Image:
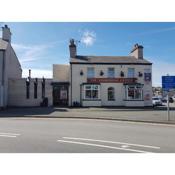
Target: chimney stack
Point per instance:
(72, 49)
(137, 51)
(6, 34)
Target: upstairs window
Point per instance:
(90, 72)
(131, 72)
(111, 72)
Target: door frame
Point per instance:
(59, 84)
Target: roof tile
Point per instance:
(109, 59)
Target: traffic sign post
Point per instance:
(168, 83)
(168, 108)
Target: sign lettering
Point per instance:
(111, 80)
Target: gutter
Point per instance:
(3, 67)
(3, 80)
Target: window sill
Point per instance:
(133, 100)
(91, 99)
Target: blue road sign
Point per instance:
(168, 83)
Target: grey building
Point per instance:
(15, 90)
(9, 65)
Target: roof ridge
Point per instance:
(109, 59)
(104, 56)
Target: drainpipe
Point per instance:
(3, 80)
(71, 83)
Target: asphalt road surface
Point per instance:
(31, 135)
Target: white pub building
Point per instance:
(105, 80)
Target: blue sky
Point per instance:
(39, 45)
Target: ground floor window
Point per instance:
(91, 91)
(134, 92)
(111, 94)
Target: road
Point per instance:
(32, 135)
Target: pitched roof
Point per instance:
(108, 60)
(3, 44)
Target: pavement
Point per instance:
(153, 115)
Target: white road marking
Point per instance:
(3, 134)
(8, 136)
(105, 141)
(124, 146)
(103, 146)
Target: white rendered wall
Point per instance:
(77, 80)
(91, 103)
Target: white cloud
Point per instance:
(37, 73)
(20, 46)
(29, 53)
(88, 38)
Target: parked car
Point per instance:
(173, 98)
(156, 101)
(164, 100)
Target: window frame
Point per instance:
(91, 74)
(111, 89)
(109, 75)
(92, 88)
(135, 88)
(129, 73)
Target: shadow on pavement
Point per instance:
(30, 111)
(156, 108)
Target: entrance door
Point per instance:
(60, 95)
